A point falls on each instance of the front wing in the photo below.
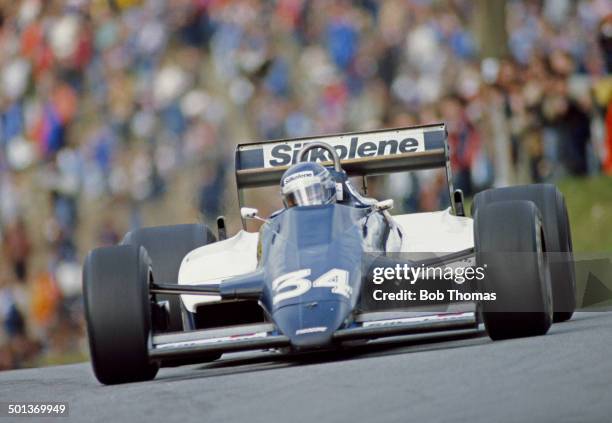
(192, 345)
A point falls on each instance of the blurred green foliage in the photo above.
(589, 203)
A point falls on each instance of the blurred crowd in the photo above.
(119, 99)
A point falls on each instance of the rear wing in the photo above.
(366, 153)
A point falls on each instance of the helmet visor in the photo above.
(308, 191)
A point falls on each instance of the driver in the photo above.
(307, 184)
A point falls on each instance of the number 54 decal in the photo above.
(295, 284)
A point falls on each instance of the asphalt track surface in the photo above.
(565, 376)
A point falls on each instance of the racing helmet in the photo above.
(307, 184)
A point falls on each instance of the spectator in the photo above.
(17, 249)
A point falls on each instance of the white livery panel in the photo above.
(435, 232)
(221, 260)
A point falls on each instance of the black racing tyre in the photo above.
(551, 204)
(167, 246)
(509, 243)
(118, 313)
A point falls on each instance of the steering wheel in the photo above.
(325, 146)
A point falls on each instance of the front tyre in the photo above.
(510, 243)
(549, 200)
(118, 313)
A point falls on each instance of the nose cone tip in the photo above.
(308, 341)
(312, 325)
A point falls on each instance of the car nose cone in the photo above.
(311, 325)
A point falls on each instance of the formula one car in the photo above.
(175, 295)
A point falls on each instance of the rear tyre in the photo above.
(167, 246)
(521, 282)
(549, 200)
(118, 313)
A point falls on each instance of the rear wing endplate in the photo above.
(379, 152)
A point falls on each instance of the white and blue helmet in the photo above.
(307, 184)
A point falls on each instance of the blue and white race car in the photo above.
(306, 281)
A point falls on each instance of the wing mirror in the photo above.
(383, 205)
(248, 212)
(251, 213)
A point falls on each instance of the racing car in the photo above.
(181, 294)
